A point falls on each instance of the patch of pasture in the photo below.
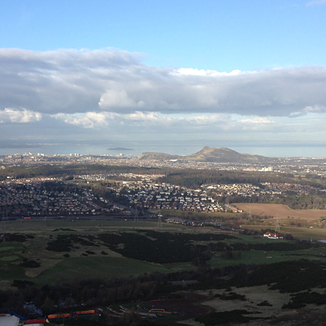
(282, 211)
(10, 272)
(300, 233)
(95, 267)
(9, 258)
(64, 226)
(258, 257)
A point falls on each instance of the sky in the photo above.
(131, 76)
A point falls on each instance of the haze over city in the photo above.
(132, 76)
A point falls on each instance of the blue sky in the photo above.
(218, 35)
(248, 74)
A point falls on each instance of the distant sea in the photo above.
(136, 148)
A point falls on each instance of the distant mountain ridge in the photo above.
(210, 154)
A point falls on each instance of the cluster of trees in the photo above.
(192, 178)
(287, 277)
(291, 200)
(162, 247)
(87, 293)
(303, 201)
(66, 242)
(70, 170)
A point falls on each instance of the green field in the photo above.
(86, 254)
(49, 225)
(304, 233)
(55, 267)
(96, 267)
(102, 263)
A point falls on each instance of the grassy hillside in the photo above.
(50, 251)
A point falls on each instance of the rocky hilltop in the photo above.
(210, 154)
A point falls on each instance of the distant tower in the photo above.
(277, 226)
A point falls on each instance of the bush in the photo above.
(30, 264)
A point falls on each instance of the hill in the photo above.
(210, 154)
(159, 156)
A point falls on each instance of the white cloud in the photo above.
(76, 82)
(258, 120)
(144, 119)
(148, 116)
(118, 99)
(86, 120)
(309, 109)
(96, 120)
(257, 124)
(318, 109)
(19, 116)
(202, 72)
(316, 2)
(140, 123)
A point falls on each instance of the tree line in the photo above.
(293, 201)
(193, 178)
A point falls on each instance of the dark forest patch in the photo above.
(30, 264)
(66, 242)
(231, 296)
(21, 284)
(301, 299)
(226, 317)
(15, 237)
(64, 229)
(161, 247)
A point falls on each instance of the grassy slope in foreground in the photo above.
(96, 267)
(55, 267)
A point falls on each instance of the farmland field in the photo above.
(302, 224)
(282, 211)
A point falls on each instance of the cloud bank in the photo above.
(81, 95)
(71, 82)
(19, 116)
